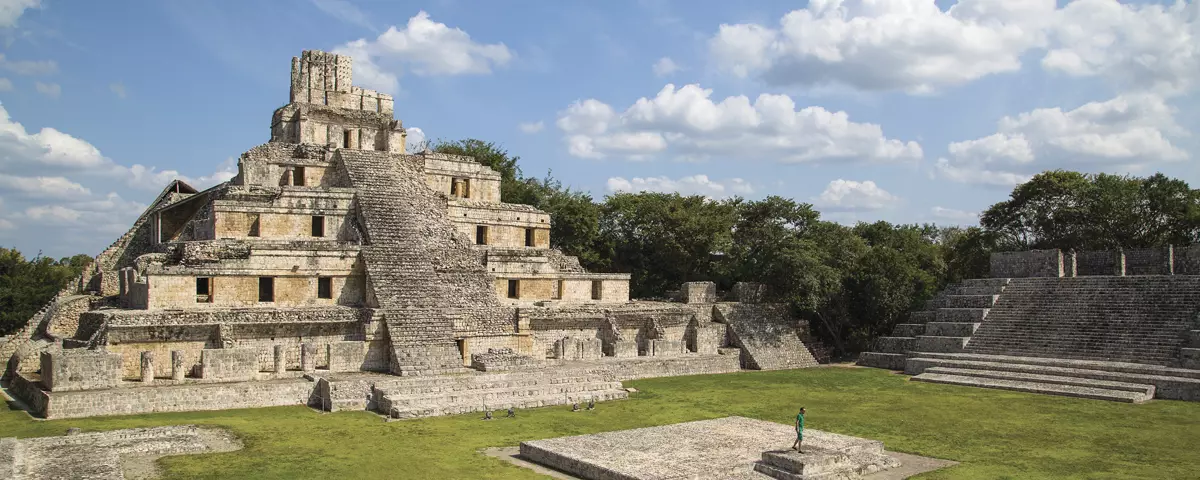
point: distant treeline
(27, 284)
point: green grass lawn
(995, 434)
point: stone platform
(731, 447)
(115, 454)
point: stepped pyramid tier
(1120, 326)
(333, 251)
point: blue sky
(901, 110)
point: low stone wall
(686, 364)
(1032, 263)
(699, 292)
(28, 391)
(574, 348)
(346, 356)
(1091, 263)
(176, 398)
(229, 364)
(78, 369)
(1149, 261)
(1186, 259)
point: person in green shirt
(799, 430)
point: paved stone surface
(721, 448)
(115, 454)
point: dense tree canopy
(26, 285)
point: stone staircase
(1189, 355)
(1139, 319)
(1102, 380)
(947, 323)
(769, 339)
(476, 392)
(421, 272)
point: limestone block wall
(288, 216)
(325, 79)
(1186, 259)
(179, 291)
(441, 170)
(180, 398)
(576, 288)
(699, 292)
(78, 369)
(346, 356)
(130, 355)
(1090, 263)
(267, 165)
(506, 223)
(748, 292)
(1032, 263)
(229, 364)
(547, 332)
(1149, 261)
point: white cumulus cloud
(28, 67)
(415, 141)
(850, 195)
(1124, 132)
(689, 185)
(52, 90)
(532, 127)
(665, 66)
(11, 10)
(687, 124)
(909, 45)
(915, 46)
(424, 47)
(954, 215)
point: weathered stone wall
(1148, 261)
(64, 318)
(288, 216)
(229, 364)
(1090, 263)
(699, 292)
(1186, 259)
(161, 349)
(177, 398)
(78, 369)
(442, 169)
(506, 222)
(575, 348)
(346, 356)
(1032, 263)
(179, 291)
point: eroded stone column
(147, 367)
(280, 365)
(177, 372)
(308, 357)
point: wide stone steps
(1145, 389)
(960, 315)
(1169, 383)
(929, 343)
(1034, 387)
(890, 361)
(950, 329)
(908, 329)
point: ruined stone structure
(336, 269)
(116, 454)
(1119, 326)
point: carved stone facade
(332, 250)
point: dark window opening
(466, 188)
(346, 139)
(253, 227)
(266, 289)
(454, 187)
(556, 293)
(318, 226)
(203, 289)
(324, 287)
(481, 233)
(596, 289)
(514, 288)
(528, 237)
(298, 176)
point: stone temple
(338, 271)
(1108, 325)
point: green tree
(27, 285)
